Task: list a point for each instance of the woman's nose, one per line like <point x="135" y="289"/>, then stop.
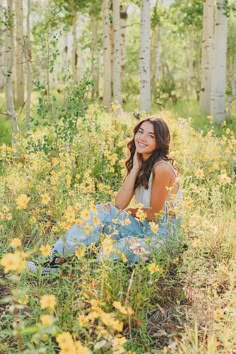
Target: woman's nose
<point x="143" y="138"/>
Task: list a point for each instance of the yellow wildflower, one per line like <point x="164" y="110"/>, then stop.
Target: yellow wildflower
<point x="12" y="262"/>
<point x="88" y="229"/>
<point x="141" y="215"/>
<point x="22" y="201"/>
<point x="122" y="309"/>
<point x="45" y="250"/>
<point x="224" y="179"/>
<point x="24" y="299"/>
<point x="45" y="199"/>
<point x="70" y="215"/>
<point x="153" y="226"/>
<point x="109" y="320"/>
<point x="117" y="344"/>
<point x="8" y="216"/>
<point x="65" y="340"/>
<point x="81" y="349"/>
<point x="124" y="258"/>
<point x="46" y="320"/>
<point x="107" y="246"/>
<point x="5" y="209"/>
<point x="199" y="173"/>
<point x="48" y="301"/>
<point x="15" y="243"/>
<point x="95" y="221"/>
<point x="80" y="252"/>
<point x="83" y="320"/>
<point x="127" y="222"/>
<point x="115" y="221"/>
<point x="85" y="214"/>
<point x="154" y="268"/>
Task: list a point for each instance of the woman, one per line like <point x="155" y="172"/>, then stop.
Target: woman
<point x="153" y="180"/>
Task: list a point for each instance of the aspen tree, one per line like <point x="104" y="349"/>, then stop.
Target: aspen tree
<point x="28" y="57"/>
<point x="19" y="56"/>
<point x="145" y="89"/>
<point x="218" y="81"/>
<point x="8" y="64"/>
<point x="106" y="54"/>
<point x="206" y="62"/>
<point x="117" y="52"/>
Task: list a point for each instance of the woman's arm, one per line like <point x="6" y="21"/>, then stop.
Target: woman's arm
<point x="126" y="191"/>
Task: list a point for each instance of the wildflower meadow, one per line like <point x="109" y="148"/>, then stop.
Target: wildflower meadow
<point x="182" y="300"/>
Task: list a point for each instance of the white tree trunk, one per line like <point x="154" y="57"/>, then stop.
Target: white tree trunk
<point x="233" y="79"/>
<point x="156" y="59"/>
<point x="189" y="64"/>
<point x="28" y="59"/>
<point x="94" y="57"/>
<point x="1" y="49"/>
<point x="9" y="55"/>
<point x="145" y="90"/>
<point x="117" y="53"/>
<point x="206" y="62"/>
<point x="123" y="25"/>
<point x="19" y="54"/>
<point x="74" y="46"/>
<point x="106" y="54"/>
<point x="65" y="54"/>
<point x="218" y="80"/>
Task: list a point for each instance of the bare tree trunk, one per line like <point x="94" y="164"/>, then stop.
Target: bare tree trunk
<point x="189" y="71"/>
<point x="145" y="91"/>
<point x="232" y="73"/>
<point x="97" y="82"/>
<point x="117" y="53"/>
<point x="106" y="54"/>
<point x="74" y="48"/>
<point x="156" y="59"/>
<point x="233" y="78"/>
<point x="123" y="25"/>
<point x="218" y="80"/>
<point x="94" y="56"/>
<point x="28" y="58"/>
<point x="65" y="54"/>
<point x="19" y="54"/>
<point x="9" y="55"/>
<point x="207" y="41"/>
<point x="112" y="53"/>
<point x="1" y="49"/>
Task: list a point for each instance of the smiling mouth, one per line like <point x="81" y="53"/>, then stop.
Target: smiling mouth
<point x="141" y="145"/>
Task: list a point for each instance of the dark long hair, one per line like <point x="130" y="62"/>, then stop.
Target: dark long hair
<point x="162" y="135"/>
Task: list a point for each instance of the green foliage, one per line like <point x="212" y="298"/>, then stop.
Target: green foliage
<point x="74" y="108"/>
<point x="68" y="113"/>
<point x="228" y="7"/>
<point x="165" y="91"/>
<point x="187" y="14"/>
<point x="8" y="18"/>
<point x="159" y="16"/>
<point x="5" y="131"/>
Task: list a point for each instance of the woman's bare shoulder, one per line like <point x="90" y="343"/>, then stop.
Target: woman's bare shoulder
<point x="164" y="167"/>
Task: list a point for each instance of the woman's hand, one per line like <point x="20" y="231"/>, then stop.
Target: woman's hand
<point x="137" y="161"/>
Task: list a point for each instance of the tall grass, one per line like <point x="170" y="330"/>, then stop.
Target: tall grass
<point x="181" y="301"/>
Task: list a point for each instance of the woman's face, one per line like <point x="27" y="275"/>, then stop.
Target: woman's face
<point x="145" y="140"/>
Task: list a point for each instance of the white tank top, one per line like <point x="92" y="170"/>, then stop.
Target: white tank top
<point x="143" y="195"/>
